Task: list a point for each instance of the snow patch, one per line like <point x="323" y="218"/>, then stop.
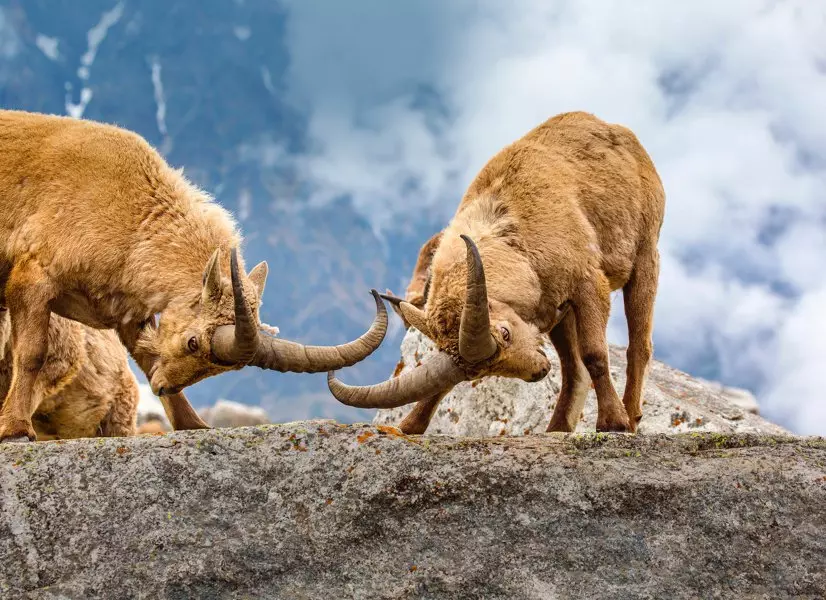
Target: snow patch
<point x="95" y="37"/>
<point x="76" y="110"/>
<point x="48" y="46"/>
<point x="160" y="100"/>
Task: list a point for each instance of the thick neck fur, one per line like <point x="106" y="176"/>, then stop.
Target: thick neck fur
<point x="508" y="271"/>
<point x="176" y="238"/>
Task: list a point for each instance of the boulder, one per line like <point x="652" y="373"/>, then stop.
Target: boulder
<point x="224" y="413"/>
<point x="673" y="402"/>
<point x="322" y="510"/>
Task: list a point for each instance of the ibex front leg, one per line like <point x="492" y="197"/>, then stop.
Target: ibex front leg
<point x="592" y="306"/>
<point x="576" y="380"/>
<point x="178" y="410"/>
<point x="28" y="293"/>
<point x="417" y="420"/>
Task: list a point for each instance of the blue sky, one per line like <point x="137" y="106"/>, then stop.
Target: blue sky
<point x="399" y="104"/>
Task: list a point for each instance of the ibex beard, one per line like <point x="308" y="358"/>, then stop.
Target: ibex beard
<point x="549" y="227"/>
<point x="96" y="227"/>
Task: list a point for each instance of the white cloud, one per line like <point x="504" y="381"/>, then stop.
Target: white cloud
<point x="795" y="390"/>
<point x="726" y="96"/>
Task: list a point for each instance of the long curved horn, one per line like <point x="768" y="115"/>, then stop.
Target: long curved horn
<point x="282" y="355"/>
<point x="238" y="343"/>
<point x="475" y="340"/>
<point x="434" y="376"/>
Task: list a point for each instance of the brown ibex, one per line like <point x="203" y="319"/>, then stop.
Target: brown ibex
<point x="85" y="387"/>
<point x="96" y="227"/>
<point x="550" y="226"/>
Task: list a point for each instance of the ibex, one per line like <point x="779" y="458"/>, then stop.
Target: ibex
<point x="85" y="387"/>
<point x="550" y="226"/>
<point x="96" y="227"/>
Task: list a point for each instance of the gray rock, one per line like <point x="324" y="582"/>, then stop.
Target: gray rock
<point x="322" y="510"/>
<point x="673" y="402"/>
<point x="224" y="413"/>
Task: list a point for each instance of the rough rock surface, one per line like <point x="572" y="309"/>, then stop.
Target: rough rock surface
<point x="323" y="510"/>
<point x="674" y="402"/>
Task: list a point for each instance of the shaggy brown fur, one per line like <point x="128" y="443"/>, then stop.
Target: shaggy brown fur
<point x="96" y="227"/>
<point x="417" y="290"/>
<point x="85" y="387"/>
<point x="416" y="293"/>
<point x="561" y="217"/>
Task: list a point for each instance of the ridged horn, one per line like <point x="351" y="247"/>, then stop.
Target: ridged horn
<point x="285" y="356"/>
<point x="475" y="340"/>
<point x="434" y="376"/>
<point x="238" y="343"/>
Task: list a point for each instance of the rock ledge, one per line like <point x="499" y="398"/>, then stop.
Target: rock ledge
<point x="323" y="510"/>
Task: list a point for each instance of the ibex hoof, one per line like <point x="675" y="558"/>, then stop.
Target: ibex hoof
<point x="614" y="427"/>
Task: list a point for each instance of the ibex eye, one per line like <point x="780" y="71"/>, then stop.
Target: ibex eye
<point x="506" y="334"/>
<point x="192" y="344"/>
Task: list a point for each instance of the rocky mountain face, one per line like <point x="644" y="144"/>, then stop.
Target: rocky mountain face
<point x="674" y="402"/>
<point x="323" y="510"/>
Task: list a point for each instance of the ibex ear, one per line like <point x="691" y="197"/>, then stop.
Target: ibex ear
<point x="416" y="317"/>
<point x="410" y="315"/>
<point x="258" y="276"/>
<point x="211" y="292"/>
<point x="394" y="304"/>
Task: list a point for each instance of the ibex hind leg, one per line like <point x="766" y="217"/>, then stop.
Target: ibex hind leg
<point x="121" y="419"/>
<point x="592" y="306"/>
<point x="638" y="296"/>
<point x="28" y="293"/>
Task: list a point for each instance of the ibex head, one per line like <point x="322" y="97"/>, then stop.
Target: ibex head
<point x="476" y="337"/>
<point x="222" y="332"/>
